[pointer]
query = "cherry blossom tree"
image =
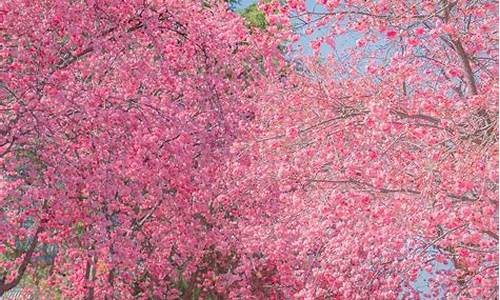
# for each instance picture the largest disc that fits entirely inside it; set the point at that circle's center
(167, 149)
(116, 120)
(381, 162)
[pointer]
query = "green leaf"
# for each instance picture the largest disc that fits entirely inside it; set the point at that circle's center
(254, 17)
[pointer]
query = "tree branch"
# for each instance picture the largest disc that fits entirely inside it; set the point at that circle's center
(5, 287)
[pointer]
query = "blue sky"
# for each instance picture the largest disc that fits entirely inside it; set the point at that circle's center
(342, 42)
(245, 3)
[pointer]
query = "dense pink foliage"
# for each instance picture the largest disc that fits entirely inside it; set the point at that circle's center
(161, 144)
(116, 120)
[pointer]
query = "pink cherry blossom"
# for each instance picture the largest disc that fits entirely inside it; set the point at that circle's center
(169, 149)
